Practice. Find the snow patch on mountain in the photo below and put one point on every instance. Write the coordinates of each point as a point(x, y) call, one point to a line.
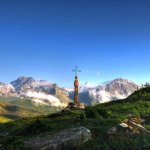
point(47, 93)
point(108, 91)
point(39, 91)
point(6, 89)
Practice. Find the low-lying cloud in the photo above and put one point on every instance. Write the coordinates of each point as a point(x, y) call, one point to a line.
point(40, 97)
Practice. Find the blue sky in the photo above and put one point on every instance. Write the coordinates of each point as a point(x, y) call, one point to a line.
point(46, 39)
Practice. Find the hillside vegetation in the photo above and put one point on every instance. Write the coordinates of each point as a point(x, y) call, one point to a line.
point(99, 119)
point(14, 108)
point(9, 112)
point(4, 119)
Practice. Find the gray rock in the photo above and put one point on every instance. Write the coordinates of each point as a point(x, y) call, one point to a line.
point(130, 127)
point(139, 127)
point(3, 134)
point(73, 137)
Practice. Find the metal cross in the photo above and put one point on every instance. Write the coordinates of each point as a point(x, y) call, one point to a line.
point(76, 71)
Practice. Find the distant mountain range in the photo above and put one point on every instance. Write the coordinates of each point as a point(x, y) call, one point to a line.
point(107, 91)
point(39, 91)
point(49, 94)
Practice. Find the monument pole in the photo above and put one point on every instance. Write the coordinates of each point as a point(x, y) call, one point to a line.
point(76, 86)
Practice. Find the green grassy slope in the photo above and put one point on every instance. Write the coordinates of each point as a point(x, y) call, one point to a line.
point(25, 107)
point(4, 119)
point(97, 118)
point(10, 112)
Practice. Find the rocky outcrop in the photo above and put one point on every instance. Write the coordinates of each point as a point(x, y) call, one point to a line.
point(128, 127)
point(3, 134)
point(73, 137)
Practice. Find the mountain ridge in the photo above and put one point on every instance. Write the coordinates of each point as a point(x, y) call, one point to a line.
point(41, 91)
point(118, 88)
point(47, 93)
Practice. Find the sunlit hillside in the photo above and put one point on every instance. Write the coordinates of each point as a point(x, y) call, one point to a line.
point(98, 119)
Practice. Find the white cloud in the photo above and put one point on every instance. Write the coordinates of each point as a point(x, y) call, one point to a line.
point(39, 97)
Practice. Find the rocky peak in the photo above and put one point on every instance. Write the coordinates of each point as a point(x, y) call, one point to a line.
point(111, 90)
point(6, 89)
point(28, 83)
point(121, 81)
point(22, 82)
point(32, 88)
point(121, 86)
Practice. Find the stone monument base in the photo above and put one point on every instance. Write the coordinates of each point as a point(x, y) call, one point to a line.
point(72, 106)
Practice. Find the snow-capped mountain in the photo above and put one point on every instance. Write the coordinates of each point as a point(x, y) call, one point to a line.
point(7, 90)
point(47, 93)
point(108, 91)
point(24, 84)
point(39, 91)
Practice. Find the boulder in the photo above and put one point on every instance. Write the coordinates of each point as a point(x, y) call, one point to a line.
point(128, 126)
point(73, 137)
point(3, 134)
